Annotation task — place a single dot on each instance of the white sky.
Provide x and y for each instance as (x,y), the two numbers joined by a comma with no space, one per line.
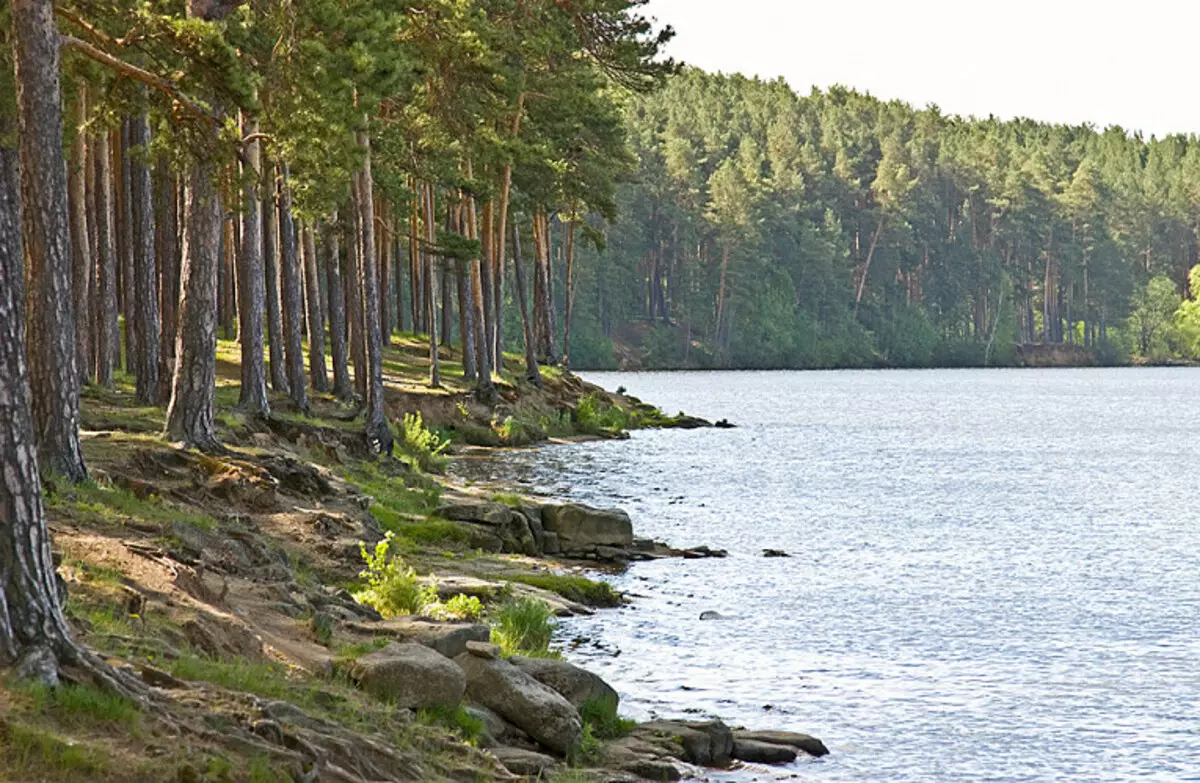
(1134,64)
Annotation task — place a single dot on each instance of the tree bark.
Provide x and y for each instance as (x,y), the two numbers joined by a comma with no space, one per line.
(108,327)
(46,242)
(386,261)
(193,390)
(532,373)
(435,373)
(466,319)
(379,435)
(483,368)
(485,280)
(227,307)
(316,316)
(354,300)
(342,388)
(167,250)
(293,301)
(570,295)
(279,378)
(145,268)
(252,294)
(81,247)
(125,248)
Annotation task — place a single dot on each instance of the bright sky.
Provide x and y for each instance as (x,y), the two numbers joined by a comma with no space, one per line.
(1106,62)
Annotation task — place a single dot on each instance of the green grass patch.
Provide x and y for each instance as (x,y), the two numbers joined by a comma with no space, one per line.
(82,705)
(105,503)
(31,753)
(524,626)
(601,715)
(579,589)
(457,719)
(510,499)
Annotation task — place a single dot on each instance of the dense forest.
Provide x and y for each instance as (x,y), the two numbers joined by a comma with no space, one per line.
(767,229)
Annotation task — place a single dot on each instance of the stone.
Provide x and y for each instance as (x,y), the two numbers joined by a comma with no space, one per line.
(517,697)
(575,684)
(805,742)
(775,553)
(411,675)
(483,650)
(497,731)
(762,752)
(478,512)
(524,762)
(705,743)
(581,527)
(550,543)
(639,758)
(448,638)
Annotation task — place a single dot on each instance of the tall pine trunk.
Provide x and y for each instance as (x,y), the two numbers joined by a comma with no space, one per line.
(125,245)
(252,294)
(483,368)
(108,329)
(532,373)
(193,389)
(293,300)
(379,435)
(145,267)
(435,372)
(342,388)
(570,295)
(316,316)
(81,246)
(167,250)
(50,310)
(354,300)
(279,378)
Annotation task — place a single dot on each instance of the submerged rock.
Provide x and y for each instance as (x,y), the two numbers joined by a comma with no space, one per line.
(536,709)
(775,553)
(411,675)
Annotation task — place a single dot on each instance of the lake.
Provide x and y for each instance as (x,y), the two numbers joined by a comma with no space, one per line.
(994,574)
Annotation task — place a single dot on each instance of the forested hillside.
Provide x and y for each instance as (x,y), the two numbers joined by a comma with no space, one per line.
(768,229)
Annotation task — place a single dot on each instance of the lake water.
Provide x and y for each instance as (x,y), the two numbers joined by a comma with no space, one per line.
(995,574)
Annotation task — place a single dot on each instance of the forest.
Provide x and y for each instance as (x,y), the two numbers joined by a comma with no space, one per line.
(765,229)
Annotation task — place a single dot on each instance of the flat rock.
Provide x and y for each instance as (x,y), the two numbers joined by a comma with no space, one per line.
(762,752)
(521,700)
(483,650)
(449,639)
(575,684)
(805,742)
(476,511)
(411,675)
(524,762)
(706,743)
(581,527)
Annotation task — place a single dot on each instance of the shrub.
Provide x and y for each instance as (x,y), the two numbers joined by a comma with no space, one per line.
(422,445)
(601,715)
(392,588)
(524,627)
(460,607)
(594,414)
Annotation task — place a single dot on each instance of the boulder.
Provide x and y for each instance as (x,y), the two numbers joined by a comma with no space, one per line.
(484,650)
(705,743)
(582,527)
(523,701)
(524,762)
(576,685)
(411,675)
(807,743)
(639,758)
(497,731)
(762,752)
(448,638)
(478,512)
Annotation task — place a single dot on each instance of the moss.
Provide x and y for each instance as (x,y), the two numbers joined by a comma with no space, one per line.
(579,589)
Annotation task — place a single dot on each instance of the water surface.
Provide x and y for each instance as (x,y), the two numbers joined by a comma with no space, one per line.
(995,575)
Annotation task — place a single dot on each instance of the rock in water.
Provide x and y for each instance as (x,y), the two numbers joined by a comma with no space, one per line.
(762,752)
(411,675)
(775,553)
(807,743)
(582,527)
(536,709)
(706,743)
(576,685)
(711,615)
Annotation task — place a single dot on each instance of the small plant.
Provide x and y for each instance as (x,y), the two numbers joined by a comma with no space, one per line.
(458,719)
(596,415)
(524,627)
(423,446)
(510,499)
(579,589)
(75,705)
(601,715)
(392,587)
(588,751)
(460,607)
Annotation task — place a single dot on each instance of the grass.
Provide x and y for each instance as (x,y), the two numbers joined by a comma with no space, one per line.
(106,503)
(33,753)
(601,715)
(82,705)
(392,588)
(524,627)
(424,448)
(510,499)
(457,718)
(579,589)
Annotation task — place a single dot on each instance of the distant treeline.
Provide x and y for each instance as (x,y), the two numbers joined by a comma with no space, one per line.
(766,229)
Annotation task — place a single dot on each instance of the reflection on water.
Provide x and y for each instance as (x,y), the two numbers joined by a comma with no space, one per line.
(994,574)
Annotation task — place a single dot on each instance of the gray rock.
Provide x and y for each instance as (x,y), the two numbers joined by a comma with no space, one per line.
(762,752)
(639,758)
(449,639)
(524,762)
(706,743)
(479,512)
(497,731)
(775,553)
(582,527)
(711,615)
(411,675)
(805,742)
(550,543)
(483,650)
(523,701)
(576,685)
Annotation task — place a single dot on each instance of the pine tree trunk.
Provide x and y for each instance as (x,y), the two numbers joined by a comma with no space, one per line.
(227,308)
(252,294)
(379,435)
(145,267)
(415,285)
(570,295)
(485,281)
(317,372)
(293,298)
(398,267)
(386,261)
(483,368)
(108,328)
(81,248)
(279,378)
(532,373)
(435,373)
(50,310)
(337,309)
(354,300)
(466,322)
(193,389)
(167,250)
(125,245)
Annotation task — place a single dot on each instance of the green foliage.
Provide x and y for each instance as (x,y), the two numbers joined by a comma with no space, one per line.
(31,753)
(595,414)
(459,607)
(83,705)
(601,715)
(1187,318)
(523,626)
(94,502)
(392,587)
(456,718)
(1152,318)
(589,748)
(424,447)
(579,589)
